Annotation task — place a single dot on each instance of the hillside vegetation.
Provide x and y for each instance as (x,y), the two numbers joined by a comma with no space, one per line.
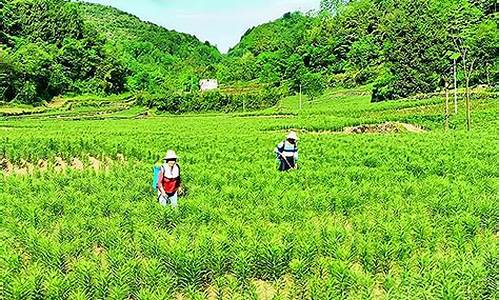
(159,59)
(403,47)
(54,47)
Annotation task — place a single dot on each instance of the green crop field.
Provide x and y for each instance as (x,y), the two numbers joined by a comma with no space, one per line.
(393,215)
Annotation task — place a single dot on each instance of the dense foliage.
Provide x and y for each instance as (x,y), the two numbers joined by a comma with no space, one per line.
(53,47)
(212,100)
(400,45)
(403,47)
(161,60)
(47,50)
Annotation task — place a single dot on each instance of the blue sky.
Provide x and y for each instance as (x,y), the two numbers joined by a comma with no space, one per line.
(221,22)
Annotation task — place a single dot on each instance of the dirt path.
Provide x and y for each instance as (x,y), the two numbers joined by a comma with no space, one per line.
(412,128)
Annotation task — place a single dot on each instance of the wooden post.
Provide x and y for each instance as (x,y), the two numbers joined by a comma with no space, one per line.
(468,106)
(239,92)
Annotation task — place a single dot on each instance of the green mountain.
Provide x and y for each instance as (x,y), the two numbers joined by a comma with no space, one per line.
(270,53)
(54,47)
(282,35)
(402,47)
(159,59)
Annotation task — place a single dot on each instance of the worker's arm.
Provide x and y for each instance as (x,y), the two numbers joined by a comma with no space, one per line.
(160,185)
(277,149)
(180,188)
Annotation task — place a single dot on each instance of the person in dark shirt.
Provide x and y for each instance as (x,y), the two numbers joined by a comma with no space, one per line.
(287,152)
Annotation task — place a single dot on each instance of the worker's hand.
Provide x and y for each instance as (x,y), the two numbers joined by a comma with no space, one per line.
(163,193)
(296,166)
(180,190)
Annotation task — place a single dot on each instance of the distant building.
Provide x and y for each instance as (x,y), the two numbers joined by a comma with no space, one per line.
(208,84)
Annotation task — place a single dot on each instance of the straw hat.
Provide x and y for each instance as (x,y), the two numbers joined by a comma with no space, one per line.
(170,155)
(292,136)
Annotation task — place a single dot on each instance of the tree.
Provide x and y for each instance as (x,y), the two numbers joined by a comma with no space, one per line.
(478,46)
(4,40)
(295,71)
(332,6)
(8,76)
(454,56)
(50,21)
(447,103)
(32,64)
(270,67)
(313,84)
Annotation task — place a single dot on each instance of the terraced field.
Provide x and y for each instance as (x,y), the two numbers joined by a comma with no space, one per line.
(390,214)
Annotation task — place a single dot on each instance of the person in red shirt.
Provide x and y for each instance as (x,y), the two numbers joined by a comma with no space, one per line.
(169,180)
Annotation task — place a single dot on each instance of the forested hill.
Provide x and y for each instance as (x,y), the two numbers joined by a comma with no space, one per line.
(283,34)
(272,53)
(403,47)
(55,47)
(160,59)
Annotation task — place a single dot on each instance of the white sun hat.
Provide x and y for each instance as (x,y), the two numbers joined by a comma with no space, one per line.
(292,135)
(170,155)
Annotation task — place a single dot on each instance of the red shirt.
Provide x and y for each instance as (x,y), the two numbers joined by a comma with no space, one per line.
(169,179)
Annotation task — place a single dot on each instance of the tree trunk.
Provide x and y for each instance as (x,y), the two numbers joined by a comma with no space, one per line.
(488,77)
(455,84)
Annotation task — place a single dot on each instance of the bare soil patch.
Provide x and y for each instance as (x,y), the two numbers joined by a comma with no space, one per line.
(59,165)
(383,128)
(388,127)
(265,290)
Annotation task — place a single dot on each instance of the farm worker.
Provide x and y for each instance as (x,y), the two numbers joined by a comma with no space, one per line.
(169,180)
(287,152)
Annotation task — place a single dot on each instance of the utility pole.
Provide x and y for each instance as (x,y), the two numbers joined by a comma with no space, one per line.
(300,96)
(239,92)
(446,109)
(455,84)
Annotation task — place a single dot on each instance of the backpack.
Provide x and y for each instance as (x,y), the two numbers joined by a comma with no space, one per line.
(156,173)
